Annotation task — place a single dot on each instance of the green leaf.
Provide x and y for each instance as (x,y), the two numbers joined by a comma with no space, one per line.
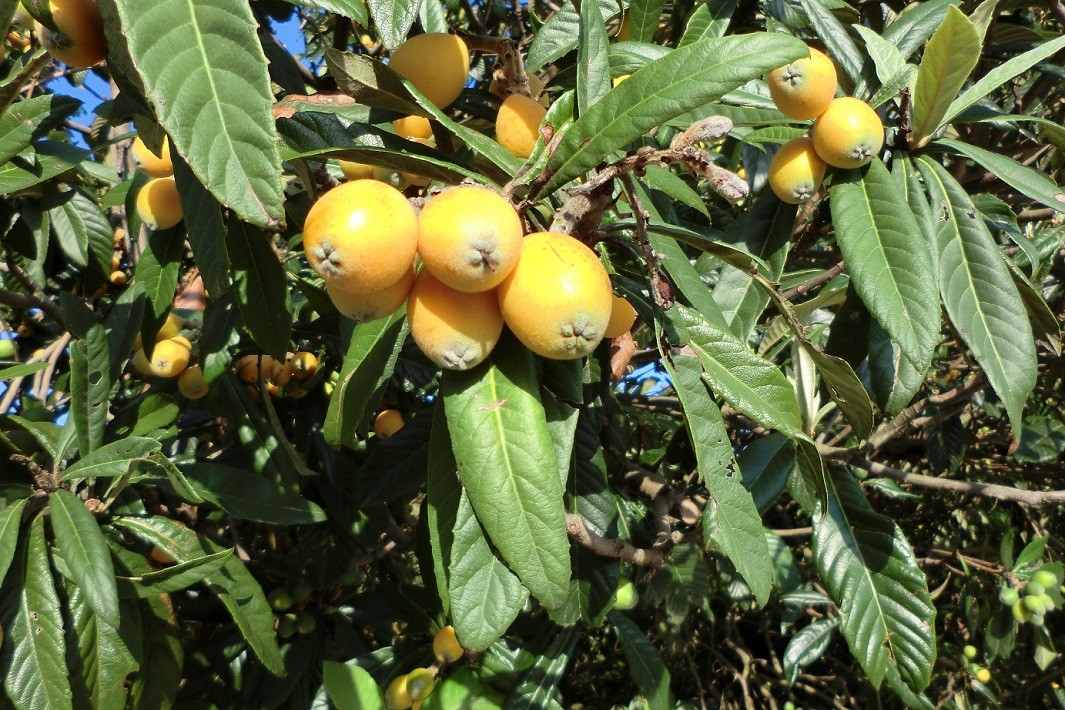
(711,19)
(558,36)
(765,465)
(80,542)
(837,41)
(730,519)
(675,187)
(749,383)
(895,381)
(186,574)
(351,9)
(910,29)
(234,585)
(261,286)
(808,646)
(112,459)
(593,67)
(1022,178)
(206,230)
(683,80)
(765,231)
(480,594)
(22,370)
(122,325)
(368,364)
(888,259)
(396,466)
(393,19)
(643,17)
(35,675)
(500,438)
(157,271)
(980,296)
(10,523)
(351,687)
(103,659)
(463,689)
(90,388)
(248,496)
(870,571)
(1042,441)
(205,74)
(50,158)
(79,226)
(538,683)
(949,58)
(645,663)
(686,278)
(998,76)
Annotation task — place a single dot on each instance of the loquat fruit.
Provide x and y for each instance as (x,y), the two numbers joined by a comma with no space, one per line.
(304,365)
(142,364)
(414,178)
(803,89)
(387,423)
(469,238)
(558,299)
(356,171)
(446,646)
(518,125)
(156,166)
(622,316)
(420,683)
(396,695)
(848,134)
(361,237)
(983,675)
(796,171)
(455,330)
(365,307)
(437,64)
(118,278)
(413,127)
(169,358)
(79,42)
(191,383)
(159,203)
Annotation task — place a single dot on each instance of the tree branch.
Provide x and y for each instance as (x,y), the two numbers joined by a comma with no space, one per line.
(616,548)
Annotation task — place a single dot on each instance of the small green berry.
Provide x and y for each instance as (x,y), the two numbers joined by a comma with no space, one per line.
(1021,612)
(279,599)
(286,625)
(970,652)
(1008,596)
(306,624)
(1035,589)
(1036,605)
(625,596)
(301,591)
(1045,577)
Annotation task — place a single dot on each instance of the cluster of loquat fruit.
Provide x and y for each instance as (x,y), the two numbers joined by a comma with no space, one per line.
(410,689)
(846,132)
(170,358)
(1032,602)
(288,377)
(478,273)
(158,202)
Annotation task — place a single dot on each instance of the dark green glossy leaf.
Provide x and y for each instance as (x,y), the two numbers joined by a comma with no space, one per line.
(261,286)
(645,663)
(248,496)
(112,459)
(765,465)
(808,646)
(948,59)
(80,542)
(10,524)
(351,687)
(103,659)
(90,388)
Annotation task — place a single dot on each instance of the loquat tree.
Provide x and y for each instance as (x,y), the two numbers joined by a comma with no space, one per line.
(479,354)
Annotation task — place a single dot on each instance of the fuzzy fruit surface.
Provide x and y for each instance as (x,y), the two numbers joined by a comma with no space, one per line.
(558,299)
(803,89)
(455,330)
(396,695)
(159,203)
(469,238)
(622,316)
(848,134)
(169,358)
(363,307)
(153,165)
(80,41)
(436,64)
(446,646)
(518,125)
(191,383)
(361,237)
(356,171)
(413,127)
(796,171)
(387,423)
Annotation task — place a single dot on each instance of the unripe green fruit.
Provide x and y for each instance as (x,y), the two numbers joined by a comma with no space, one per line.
(7,348)
(1035,604)
(1035,589)
(1048,602)
(286,625)
(1021,612)
(279,599)
(972,668)
(306,624)
(625,596)
(420,683)
(1008,596)
(970,652)
(1039,619)
(301,591)
(1045,577)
